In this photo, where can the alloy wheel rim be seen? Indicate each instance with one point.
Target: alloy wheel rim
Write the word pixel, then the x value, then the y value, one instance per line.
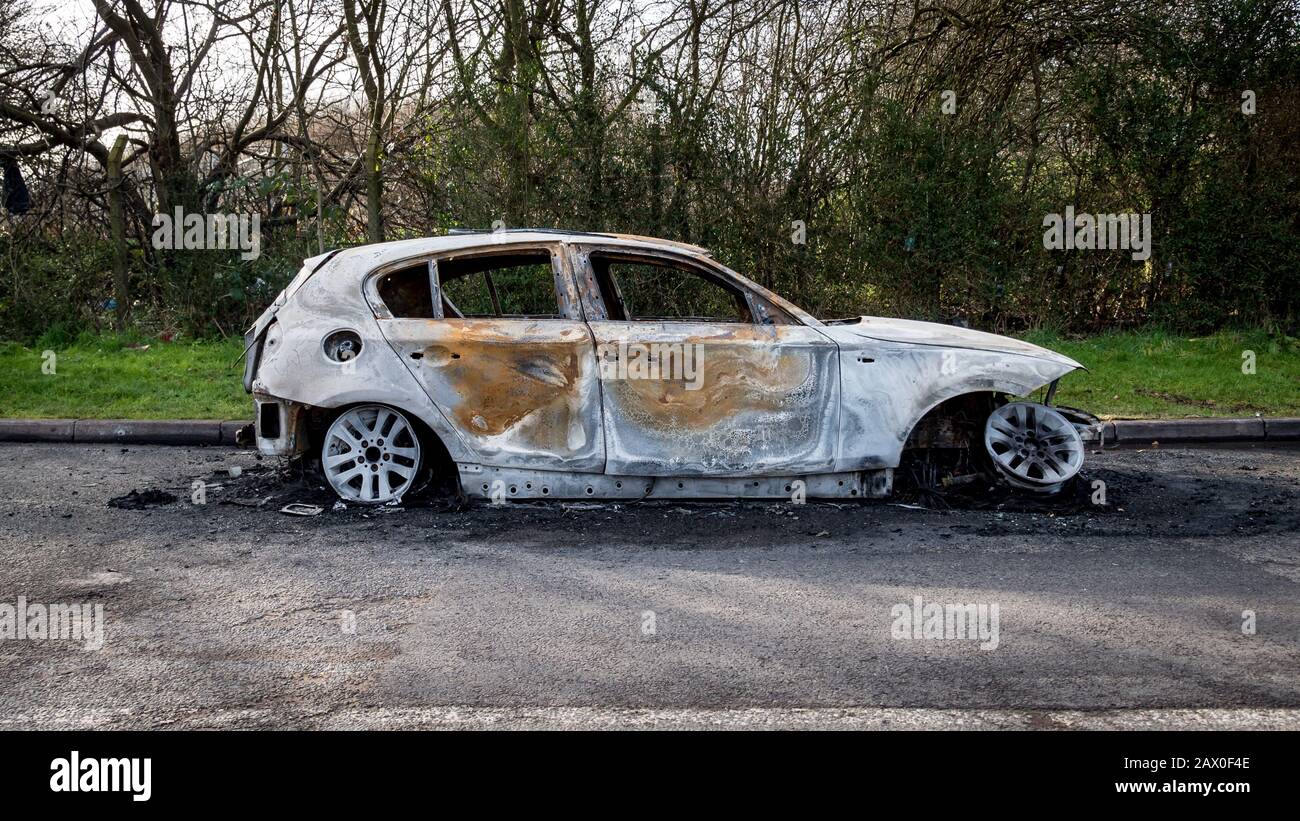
pixel 1033 445
pixel 371 455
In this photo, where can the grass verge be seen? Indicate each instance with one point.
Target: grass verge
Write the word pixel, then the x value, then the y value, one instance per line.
pixel 119 377
pixel 1152 374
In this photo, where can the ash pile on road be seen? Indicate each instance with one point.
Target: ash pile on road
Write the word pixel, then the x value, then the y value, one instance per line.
pixel 142 499
pixel 299 483
pixel 1087 492
pixel 253 486
pixel 269 486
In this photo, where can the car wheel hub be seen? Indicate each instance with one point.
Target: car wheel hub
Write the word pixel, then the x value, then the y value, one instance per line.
pixel 1033 446
pixel 371 455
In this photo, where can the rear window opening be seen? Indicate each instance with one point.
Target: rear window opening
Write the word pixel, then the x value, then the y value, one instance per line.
pixel 407 294
pixel 511 285
pixel 499 285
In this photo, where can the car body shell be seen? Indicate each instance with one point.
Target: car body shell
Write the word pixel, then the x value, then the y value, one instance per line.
pixel 532 403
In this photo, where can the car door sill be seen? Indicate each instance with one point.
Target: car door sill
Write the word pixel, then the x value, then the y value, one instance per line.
pixel 500 484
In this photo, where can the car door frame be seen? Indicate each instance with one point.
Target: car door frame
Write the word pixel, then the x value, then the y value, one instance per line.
pixel 731 448
pixel 453 359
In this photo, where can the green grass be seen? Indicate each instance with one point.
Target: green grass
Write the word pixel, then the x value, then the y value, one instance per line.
pixel 1152 374
pixel 106 378
pixel 1132 375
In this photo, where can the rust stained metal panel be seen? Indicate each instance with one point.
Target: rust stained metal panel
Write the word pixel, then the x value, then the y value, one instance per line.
pixel 293 366
pixel 766 402
pixel 519 392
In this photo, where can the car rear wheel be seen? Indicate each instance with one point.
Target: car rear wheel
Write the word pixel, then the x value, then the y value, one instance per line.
pixel 371 455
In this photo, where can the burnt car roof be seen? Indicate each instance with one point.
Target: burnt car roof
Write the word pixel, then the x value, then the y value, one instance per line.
pixel 587 236
pixel 384 252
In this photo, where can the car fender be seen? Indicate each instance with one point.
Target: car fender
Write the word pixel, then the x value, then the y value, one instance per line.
pixel 888 387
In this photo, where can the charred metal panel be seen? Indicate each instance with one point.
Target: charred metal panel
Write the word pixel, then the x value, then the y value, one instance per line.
pixel 886 329
pixel 763 400
pixel 519 392
pixel 889 386
pixel 293 366
pixel 506 484
pixel 284 420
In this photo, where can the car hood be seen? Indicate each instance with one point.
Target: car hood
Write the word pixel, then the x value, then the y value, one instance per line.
pixel 885 329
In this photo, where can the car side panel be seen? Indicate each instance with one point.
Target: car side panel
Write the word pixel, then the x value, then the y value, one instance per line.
pixel 520 393
pixel 295 367
pixel 764 401
pixel 889 386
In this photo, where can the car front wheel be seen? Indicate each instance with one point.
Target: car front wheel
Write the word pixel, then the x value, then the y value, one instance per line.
pixel 1033 446
pixel 371 455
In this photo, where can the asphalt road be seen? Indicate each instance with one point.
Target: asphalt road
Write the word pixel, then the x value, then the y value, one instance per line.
pixel 763 615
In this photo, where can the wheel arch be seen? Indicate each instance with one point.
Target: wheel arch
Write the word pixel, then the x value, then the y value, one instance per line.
pixel 928 425
pixel 988 380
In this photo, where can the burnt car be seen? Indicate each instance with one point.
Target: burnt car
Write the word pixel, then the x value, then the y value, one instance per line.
pixel 531 364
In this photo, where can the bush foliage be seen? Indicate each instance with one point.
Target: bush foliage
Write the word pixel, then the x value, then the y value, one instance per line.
pixel 920 150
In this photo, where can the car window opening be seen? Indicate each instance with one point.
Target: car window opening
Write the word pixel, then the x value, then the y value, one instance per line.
pixel 514 285
pixel 650 289
pixel 406 292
